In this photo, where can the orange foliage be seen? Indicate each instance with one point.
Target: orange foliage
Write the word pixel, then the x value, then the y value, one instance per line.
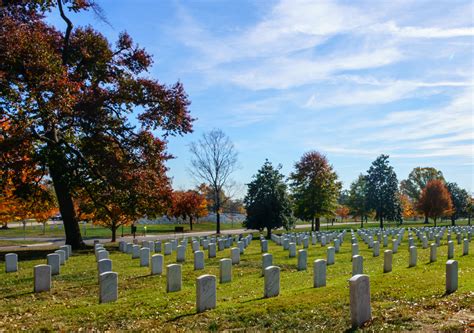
pixel 189 204
pixel 343 212
pixel 408 208
pixel 435 200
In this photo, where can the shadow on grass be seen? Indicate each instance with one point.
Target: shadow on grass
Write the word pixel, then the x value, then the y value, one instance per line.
pixel 18 295
pixel 181 316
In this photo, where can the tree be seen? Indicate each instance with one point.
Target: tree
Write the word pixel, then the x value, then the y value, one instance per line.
pixel 343 212
pixel 382 190
pixel 315 188
pixel 267 202
pixel 357 201
pixel 73 94
pixel 416 182
pixel 460 200
pixel 408 208
pixel 214 159
pixel 188 204
pixel 435 200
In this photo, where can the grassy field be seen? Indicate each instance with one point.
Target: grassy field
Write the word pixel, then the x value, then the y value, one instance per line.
pixel 405 299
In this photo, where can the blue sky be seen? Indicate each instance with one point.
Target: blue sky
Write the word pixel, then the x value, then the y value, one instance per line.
pixel 351 79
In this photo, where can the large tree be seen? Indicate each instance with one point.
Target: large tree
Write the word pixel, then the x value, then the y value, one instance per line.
pixel 435 200
pixel 188 204
pixel 315 188
pixel 267 202
pixel 214 159
pixel 382 190
pixel 460 200
pixel 417 181
pixel 75 94
pixel 357 200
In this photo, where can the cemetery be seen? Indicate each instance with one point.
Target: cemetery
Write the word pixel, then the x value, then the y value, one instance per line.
pixel 337 280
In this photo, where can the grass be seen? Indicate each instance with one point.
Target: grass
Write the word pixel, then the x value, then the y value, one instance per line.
pixel 405 299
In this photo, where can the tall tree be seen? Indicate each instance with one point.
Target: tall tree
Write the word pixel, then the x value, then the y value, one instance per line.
pixel 417 181
pixel 460 200
pixel 435 200
pixel 267 202
pixel 74 93
pixel 408 208
pixel 315 188
pixel 357 201
pixel 214 159
pixel 382 190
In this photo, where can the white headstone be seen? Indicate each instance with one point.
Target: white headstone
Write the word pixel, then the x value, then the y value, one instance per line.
pixel 157 264
pixel 413 257
pixel 11 262
pixel 272 281
pixel 451 276
pixel 359 289
pixel 205 293
pixel 42 276
pixel 104 265
pixel 225 267
pixel 267 260
pixel 302 260
pixel 319 273
pixel 168 249
pixel 357 265
pixel 235 255
pixel 387 261
pixel 62 256
pixel 331 255
pixel 433 250
pixel 108 287
pixel 173 278
pixel 145 257
pixel 292 250
pixel 135 251
pixel 54 260
pixel 198 260
pixel 465 247
pixel 181 253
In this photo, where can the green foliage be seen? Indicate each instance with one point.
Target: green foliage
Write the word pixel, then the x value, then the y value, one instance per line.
pixel 267 202
pixel 314 187
pixel 357 201
pixel 417 180
pixel 460 199
pixel 382 190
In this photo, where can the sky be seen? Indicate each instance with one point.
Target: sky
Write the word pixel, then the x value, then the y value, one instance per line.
pixel 350 79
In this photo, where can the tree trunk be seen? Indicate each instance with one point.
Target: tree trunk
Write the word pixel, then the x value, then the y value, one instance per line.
pixel 191 222
pixel 381 221
pixel 318 224
pixel 435 222
pixel 426 219
pixel 312 224
pixel 218 215
pixel 269 233
pixel 362 221
pixel 66 206
pixel 469 220
pixel 114 232
pixel 453 221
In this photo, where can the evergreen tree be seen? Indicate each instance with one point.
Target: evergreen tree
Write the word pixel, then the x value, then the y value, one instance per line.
pixel 267 202
pixel 460 199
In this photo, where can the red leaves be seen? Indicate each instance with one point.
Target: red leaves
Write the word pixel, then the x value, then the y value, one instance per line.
pixel 435 200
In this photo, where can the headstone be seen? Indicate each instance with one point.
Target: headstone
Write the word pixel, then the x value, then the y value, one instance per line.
pixel 11 262
pixel 267 260
pixel 264 246
pixel 292 250
pixel 62 256
pixel 195 246
pixel 235 255
pixel 212 250
pixel 173 278
pixel 319 273
pixel 450 250
pixel 272 281
pixel 355 249
pixel 387 261
pixel 241 246
pixel 451 276
pixel 108 287
pixel 302 259
pixel 129 248
pixel 168 249
pixel 157 264
pixel 54 260
pixel 181 253
pixel 42 277
pixel 225 268
pixel 413 257
pixel 205 293
pixel 198 260
pixel 433 250
pixel 65 248
pixel 337 244
pixel 135 252
pixel 357 265
pixel 104 265
pixel 465 247
pixel 359 289
pixel 158 246
pixel 144 257
pixel 376 249
pixel 331 255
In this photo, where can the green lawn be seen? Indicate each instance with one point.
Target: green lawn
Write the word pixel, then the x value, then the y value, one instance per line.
pixel 405 299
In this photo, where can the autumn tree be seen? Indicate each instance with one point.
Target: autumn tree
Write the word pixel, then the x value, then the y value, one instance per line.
pixel 435 200
pixel 214 159
pixel 417 181
pixel 357 200
pixel 343 212
pixel 267 202
pixel 382 190
pixel 315 188
pixel 188 204
pixel 408 207
pixel 73 93
pixel 460 200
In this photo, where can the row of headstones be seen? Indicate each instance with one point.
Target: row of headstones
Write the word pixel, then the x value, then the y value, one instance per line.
pixel 42 273
pixel 303 238
pixel 426 234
